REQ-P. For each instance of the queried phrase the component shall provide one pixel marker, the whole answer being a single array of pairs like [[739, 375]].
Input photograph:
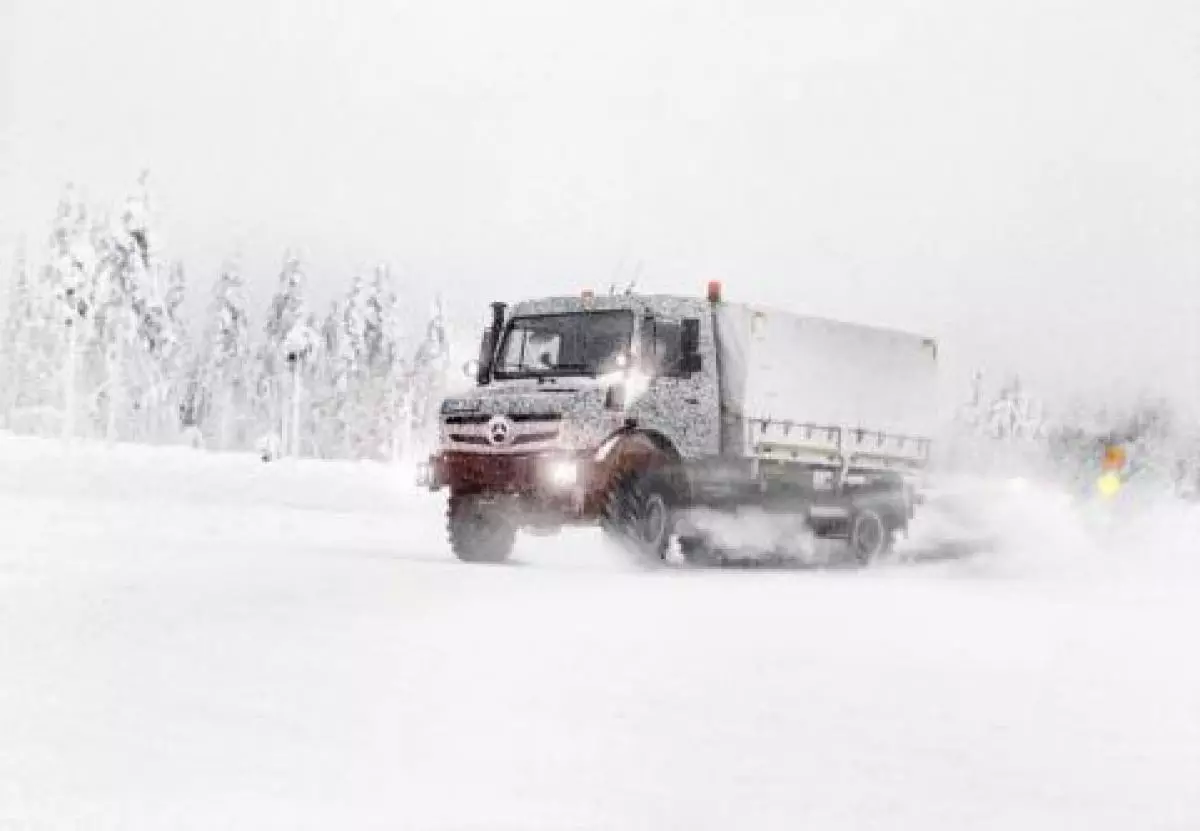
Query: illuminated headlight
[[562, 473], [636, 385], [624, 388], [1108, 485]]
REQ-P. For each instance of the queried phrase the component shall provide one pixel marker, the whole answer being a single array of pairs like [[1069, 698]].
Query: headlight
[[1108, 484], [562, 473]]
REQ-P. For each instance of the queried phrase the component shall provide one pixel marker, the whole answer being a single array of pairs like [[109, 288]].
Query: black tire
[[872, 535], [479, 531], [639, 514]]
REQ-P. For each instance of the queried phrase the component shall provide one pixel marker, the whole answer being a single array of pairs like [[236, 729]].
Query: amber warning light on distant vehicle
[[1111, 466]]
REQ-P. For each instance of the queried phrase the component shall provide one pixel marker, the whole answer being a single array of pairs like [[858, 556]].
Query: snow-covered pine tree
[[19, 361], [135, 338], [94, 301], [164, 340], [115, 336], [163, 331], [1014, 415], [427, 379], [314, 371], [288, 305], [384, 367], [222, 390], [381, 305], [287, 310], [353, 357], [300, 351], [971, 413], [331, 387], [366, 380], [68, 311]]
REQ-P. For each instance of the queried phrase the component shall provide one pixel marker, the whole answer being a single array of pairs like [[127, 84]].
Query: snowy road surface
[[190, 641]]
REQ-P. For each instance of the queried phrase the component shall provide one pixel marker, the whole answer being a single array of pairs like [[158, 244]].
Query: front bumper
[[561, 482]]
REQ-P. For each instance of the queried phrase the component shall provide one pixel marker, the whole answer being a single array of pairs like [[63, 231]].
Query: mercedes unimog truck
[[633, 411]]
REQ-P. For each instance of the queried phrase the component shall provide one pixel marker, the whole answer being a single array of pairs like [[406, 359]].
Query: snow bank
[[195, 642]]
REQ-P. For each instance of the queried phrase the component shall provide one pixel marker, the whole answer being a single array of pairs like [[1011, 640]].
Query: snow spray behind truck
[[629, 411]]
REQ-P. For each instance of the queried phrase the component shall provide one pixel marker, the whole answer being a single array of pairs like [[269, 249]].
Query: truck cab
[[566, 388]]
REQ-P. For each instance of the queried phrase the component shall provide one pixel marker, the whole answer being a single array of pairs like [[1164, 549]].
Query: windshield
[[579, 343]]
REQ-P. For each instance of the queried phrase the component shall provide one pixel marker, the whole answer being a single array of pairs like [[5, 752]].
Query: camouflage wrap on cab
[[569, 413]]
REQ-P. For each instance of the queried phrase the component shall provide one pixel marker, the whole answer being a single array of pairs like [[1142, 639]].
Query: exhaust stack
[[489, 341]]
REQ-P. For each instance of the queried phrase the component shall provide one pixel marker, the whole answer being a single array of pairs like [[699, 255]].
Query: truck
[[634, 411]]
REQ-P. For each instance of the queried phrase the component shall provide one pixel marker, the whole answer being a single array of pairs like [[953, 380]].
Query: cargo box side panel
[[876, 387], [732, 323]]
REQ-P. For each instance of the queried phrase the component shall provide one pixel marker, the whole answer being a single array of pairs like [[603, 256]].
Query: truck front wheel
[[478, 529], [639, 514]]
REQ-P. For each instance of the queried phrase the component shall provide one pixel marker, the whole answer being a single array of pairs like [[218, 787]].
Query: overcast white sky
[[1020, 178]]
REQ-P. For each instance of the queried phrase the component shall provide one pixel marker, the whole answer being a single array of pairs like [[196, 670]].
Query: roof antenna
[[616, 272], [637, 273]]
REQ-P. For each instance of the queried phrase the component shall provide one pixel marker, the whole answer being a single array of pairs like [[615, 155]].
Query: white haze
[[1019, 178]]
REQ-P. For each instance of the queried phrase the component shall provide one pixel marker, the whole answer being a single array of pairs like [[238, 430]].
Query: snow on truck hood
[[575, 405], [557, 396]]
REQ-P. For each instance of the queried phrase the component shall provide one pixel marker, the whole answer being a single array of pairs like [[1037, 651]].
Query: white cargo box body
[[801, 388]]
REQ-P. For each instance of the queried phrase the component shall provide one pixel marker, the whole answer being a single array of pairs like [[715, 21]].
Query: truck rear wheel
[[698, 552], [871, 535], [478, 529], [639, 514]]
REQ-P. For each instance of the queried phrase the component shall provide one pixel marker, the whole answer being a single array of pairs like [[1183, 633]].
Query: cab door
[[676, 402]]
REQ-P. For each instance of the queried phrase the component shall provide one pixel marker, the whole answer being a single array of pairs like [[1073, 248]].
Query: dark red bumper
[[529, 476]]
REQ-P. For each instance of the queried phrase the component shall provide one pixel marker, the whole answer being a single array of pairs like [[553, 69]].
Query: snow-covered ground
[[192, 641]]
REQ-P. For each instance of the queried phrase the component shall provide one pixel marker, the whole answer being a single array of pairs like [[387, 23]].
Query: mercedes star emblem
[[499, 430]]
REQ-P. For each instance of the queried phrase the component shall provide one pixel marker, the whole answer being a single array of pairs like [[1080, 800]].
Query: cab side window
[[668, 341]]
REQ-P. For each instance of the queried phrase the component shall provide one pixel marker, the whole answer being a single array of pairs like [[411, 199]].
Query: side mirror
[[689, 346]]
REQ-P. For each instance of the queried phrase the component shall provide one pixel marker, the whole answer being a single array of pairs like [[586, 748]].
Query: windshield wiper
[[560, 370]]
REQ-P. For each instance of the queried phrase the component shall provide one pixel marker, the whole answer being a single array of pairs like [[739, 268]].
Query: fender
[[632, 449]]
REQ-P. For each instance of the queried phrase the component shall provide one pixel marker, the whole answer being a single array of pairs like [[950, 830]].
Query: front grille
[[535, 438], [516, 418], [522, 439], [529, 432], [475, 418]]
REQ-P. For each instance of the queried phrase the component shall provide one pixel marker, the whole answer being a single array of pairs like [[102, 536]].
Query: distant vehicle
[[1114, 464], [630, 410]]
